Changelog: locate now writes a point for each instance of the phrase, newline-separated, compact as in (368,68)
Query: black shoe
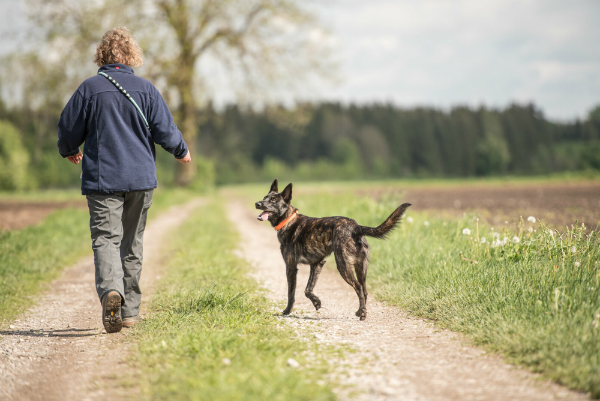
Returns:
(111,312)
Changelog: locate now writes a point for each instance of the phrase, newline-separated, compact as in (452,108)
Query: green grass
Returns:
(33,256)
(207,309)
(536,302)
(260,189)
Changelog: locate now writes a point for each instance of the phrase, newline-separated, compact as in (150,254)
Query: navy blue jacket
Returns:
(119,153)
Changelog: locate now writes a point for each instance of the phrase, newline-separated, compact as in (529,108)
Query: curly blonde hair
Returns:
(119,46)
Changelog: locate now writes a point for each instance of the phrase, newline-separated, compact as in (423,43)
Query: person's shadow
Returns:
(66,333)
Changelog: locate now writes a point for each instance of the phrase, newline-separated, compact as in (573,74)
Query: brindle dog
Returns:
(310,240)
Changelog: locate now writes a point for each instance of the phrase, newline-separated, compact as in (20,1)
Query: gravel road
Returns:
(398,357)
(58,350)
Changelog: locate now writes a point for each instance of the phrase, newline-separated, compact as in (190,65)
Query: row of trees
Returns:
(331,140)
(334,141)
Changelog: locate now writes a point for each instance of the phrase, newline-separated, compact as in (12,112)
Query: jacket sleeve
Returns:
(163,128)
(72,126)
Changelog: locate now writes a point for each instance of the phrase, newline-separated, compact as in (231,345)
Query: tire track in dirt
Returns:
(398,357)
(58,350)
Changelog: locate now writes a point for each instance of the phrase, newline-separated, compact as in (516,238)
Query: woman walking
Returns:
(120,117)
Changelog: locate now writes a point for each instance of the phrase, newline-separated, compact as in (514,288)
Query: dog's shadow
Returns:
(297,317)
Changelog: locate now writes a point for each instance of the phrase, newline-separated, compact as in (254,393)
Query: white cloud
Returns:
(470,51)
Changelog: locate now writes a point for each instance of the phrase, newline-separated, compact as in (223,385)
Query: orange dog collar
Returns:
(284,222)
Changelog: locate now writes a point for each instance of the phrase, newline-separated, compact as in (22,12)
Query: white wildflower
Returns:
(550,233)
(482,240)
(505,240)
(410,220)
(495,244)
(530,229)
(573,249)
(466,231)
(426,223)
(496,235)
(531,219)
(516,240)
(292,363)
(577,264)
(226,361)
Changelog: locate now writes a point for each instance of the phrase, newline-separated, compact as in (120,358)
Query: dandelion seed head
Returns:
(466,231)
(577,264)
(550,233)
(483,240)
(516,240)
(531,219)
(410,220)
(573,249)
(496,235)
(530,229)
(505,240)
(426,223)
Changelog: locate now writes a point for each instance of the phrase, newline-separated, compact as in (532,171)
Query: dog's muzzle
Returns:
(264,215)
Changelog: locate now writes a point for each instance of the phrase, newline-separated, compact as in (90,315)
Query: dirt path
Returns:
(59,350)
(397,357)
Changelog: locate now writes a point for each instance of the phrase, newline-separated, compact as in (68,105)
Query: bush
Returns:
(13,159)
(205,175)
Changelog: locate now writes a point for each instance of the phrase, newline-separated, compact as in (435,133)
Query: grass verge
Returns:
(533,295)
(33,256)
(207,309)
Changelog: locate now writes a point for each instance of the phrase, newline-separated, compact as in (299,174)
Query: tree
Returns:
(253,47)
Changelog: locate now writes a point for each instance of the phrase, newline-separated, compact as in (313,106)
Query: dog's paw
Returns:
(287,312)
(317,304)
(362,314)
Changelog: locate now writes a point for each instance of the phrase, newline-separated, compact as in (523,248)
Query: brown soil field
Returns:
(555,204)
(15,215)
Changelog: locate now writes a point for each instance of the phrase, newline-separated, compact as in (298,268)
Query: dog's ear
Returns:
(287,193)
(274,187)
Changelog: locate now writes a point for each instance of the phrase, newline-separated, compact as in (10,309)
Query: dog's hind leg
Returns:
(315,270)
(345,257)
(362,265)
(291,271)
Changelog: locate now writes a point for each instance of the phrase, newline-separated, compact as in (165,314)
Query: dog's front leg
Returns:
(291,272)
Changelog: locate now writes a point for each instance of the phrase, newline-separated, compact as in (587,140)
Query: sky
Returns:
(443,53)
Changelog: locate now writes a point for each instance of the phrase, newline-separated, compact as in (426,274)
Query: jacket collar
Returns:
(116,68)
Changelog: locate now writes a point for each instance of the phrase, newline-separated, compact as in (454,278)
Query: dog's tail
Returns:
(388,225)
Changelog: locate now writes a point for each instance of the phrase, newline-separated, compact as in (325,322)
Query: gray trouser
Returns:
(117,223)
